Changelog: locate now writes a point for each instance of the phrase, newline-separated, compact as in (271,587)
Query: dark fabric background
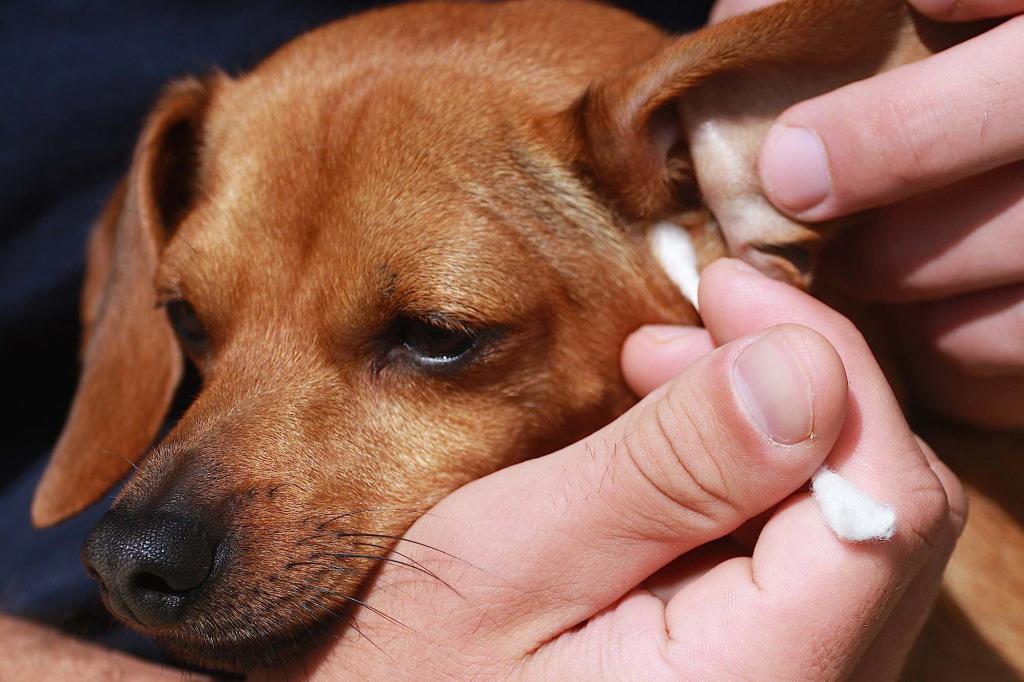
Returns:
(76,79)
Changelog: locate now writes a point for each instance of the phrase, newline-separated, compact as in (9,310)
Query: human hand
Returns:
(34,652)
(536,571)
(947,135)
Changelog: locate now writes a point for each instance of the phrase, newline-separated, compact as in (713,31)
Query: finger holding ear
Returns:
(903,132)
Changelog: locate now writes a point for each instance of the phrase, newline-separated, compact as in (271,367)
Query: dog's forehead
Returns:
(409,172)
(391,113)
(340,159)
(327,175)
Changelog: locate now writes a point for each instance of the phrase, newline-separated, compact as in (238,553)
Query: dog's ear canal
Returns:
(682,129)
(130,360)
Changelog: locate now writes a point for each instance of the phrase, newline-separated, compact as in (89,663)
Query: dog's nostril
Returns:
(154,583)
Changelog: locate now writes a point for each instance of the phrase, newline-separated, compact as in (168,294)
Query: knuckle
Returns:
(957,510)
(956,500)
(914,145)
(695,441)
(882,153)
(840,327)
(956,495)
(930,525)
(673,452)
(648,519)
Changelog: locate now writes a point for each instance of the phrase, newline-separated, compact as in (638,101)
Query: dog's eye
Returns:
(187,326)
(434,344)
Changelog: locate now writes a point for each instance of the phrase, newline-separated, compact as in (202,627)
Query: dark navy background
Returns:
(76,80)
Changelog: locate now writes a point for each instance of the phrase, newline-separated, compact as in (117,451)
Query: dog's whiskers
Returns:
(373,643)
(390,584)
(374,609)
(370,510)
(370,557)
(306,604)
(393,551)
(397,538)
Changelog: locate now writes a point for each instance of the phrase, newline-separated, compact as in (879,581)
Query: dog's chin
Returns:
(240,649)
(244,652)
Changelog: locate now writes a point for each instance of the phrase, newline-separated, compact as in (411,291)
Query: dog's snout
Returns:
(150,565)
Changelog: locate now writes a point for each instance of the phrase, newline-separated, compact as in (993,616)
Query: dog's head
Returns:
(402,253)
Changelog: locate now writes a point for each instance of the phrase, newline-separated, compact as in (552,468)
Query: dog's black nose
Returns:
(150,565)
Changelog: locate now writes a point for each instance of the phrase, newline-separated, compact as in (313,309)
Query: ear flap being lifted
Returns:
(683,129)
(131,363)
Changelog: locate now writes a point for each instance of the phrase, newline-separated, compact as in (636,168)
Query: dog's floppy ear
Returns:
(684,127)
(131,363)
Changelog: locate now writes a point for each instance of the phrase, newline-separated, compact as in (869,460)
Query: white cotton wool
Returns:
(673,249)
(852,514)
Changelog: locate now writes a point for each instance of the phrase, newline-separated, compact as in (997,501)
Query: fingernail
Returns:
(774,388)
(794,168)
(669,333)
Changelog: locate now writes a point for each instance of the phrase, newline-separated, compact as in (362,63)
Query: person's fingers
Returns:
(723,9)
(654,354)
(740,299)
(887,655)
(992,402)
(955,493)
(981,334)
(966,10)
(735,433)
(962,238)
(905,131)
(832,595)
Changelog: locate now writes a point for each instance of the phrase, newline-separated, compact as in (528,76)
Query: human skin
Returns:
(33,652)
(540,571)
(939,145)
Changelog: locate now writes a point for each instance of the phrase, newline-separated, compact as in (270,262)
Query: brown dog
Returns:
(403,253)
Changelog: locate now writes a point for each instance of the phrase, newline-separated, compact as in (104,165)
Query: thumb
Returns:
(738,431)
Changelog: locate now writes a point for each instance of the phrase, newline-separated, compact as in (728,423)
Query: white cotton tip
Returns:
(852,514)
(673,249)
